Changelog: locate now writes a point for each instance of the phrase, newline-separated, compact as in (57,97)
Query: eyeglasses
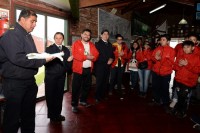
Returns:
(119,39)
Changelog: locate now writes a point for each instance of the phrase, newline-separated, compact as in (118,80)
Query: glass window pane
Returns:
(54,25)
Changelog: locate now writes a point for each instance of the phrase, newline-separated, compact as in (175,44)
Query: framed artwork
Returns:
(115,25)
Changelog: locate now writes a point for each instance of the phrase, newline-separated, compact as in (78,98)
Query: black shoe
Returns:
(167,109)
(97,101)
(181,115)
(195,119)
(58,119)
(75,109)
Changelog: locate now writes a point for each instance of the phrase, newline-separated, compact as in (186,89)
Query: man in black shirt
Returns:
(18,72)
(102,65)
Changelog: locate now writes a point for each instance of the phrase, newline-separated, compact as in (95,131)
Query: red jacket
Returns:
(144,55)
(79,57)
(187,75)
(164,66)
(116,54)
(179,50)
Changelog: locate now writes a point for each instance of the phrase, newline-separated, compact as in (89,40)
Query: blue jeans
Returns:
(144,79)
(134,78)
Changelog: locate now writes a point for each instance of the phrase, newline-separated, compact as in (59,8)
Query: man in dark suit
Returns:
(20,89)
(55,74)
(102,65)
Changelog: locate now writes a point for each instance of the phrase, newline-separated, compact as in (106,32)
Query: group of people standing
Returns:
(105,60)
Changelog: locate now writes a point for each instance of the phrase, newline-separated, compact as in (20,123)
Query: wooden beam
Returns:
(90,3)
(74,8)
(184,2)
(131,6)
(118,5)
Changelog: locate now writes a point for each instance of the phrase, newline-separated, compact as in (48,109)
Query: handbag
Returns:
(143,65)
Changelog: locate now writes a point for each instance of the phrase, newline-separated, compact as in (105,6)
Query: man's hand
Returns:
(70,58)
(121,54)
(50,58)
(157,55)
(183,62)
(110,61)
(90,57)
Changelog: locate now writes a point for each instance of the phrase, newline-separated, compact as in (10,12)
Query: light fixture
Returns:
(158,8)
(143,0)
(183,21)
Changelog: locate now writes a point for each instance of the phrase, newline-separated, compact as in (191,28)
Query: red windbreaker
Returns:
(144,55)
(164,66)
(79,57)
(187,75)
(179,50)
(116,54)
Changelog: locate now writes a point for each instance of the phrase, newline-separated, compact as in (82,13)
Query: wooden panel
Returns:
(185,2)
(88,3)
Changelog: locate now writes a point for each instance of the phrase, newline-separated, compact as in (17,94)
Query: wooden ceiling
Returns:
(134,5)
(173,10)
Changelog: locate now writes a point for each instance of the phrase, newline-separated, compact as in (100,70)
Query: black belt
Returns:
(87,68)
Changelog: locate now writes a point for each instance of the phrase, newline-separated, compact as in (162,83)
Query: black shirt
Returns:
(58,67)
(105,51)
(16,44)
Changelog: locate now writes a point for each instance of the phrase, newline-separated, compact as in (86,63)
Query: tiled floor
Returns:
(132,115)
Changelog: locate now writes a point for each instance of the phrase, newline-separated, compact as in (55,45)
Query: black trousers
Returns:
(102,73)
(54,89)
(20,105)
(160,88)
(116,74)
(81,84)
(183,96)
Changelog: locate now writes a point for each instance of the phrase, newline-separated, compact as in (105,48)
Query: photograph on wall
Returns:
(115,25)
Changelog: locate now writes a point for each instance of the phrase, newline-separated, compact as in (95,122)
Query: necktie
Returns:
(60,47)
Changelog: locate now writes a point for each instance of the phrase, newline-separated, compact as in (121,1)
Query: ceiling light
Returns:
(183,21)
(158,8)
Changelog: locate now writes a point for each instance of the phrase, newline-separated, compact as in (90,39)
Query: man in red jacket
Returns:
(85,54)
(187,70)
(163,60)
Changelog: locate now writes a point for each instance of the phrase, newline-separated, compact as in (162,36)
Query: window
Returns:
(45,29)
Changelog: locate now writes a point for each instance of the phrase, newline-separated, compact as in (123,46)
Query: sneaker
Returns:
(83,103)
(173,103)
(75,109)
(197,127)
